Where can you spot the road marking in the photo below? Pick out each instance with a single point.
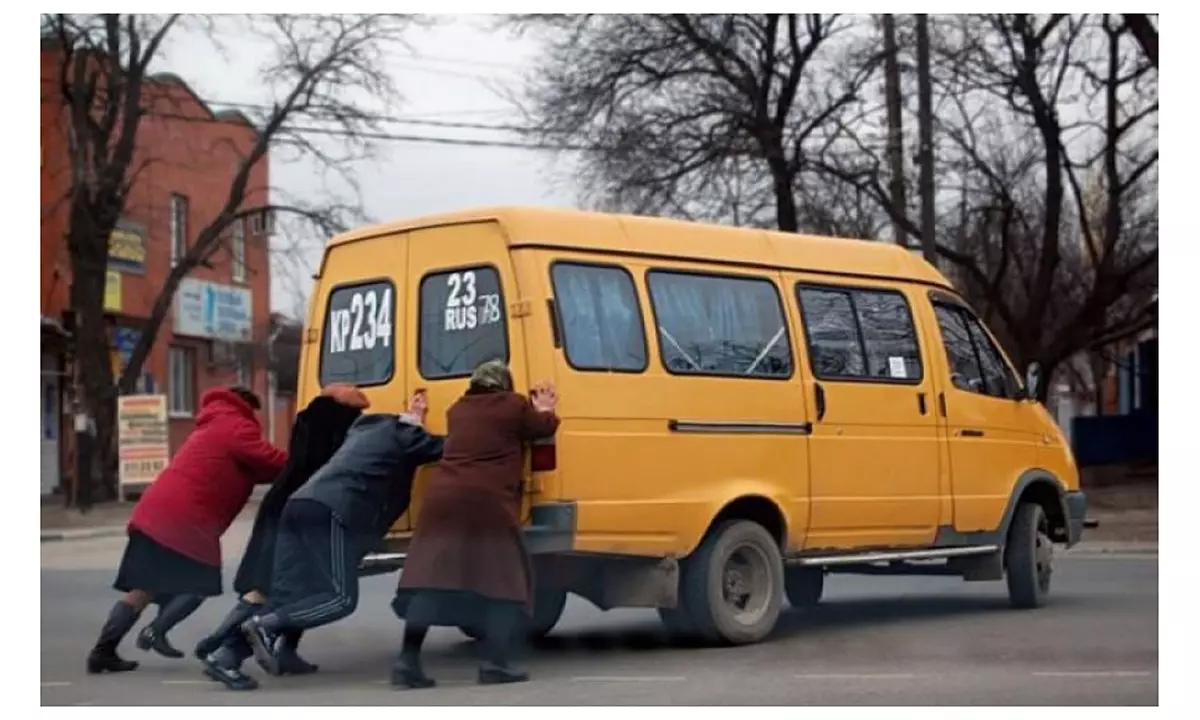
(187, 682)
(1094, 674)
(856, 676)
(56, 683)
(628, 678)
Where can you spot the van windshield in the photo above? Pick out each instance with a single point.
(462, 322)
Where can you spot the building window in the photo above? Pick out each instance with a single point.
(238, 251)
(600, 317)
(720, 325)
(261, 223)
(462, 322)
(181, 388)
(858, 334)
(179, 228)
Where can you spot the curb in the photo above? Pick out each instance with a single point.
(82, 533)
(1113, 549)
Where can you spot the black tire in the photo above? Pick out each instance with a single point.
(803, 586)
(1029, 557)
(732, 585)
(547, 609)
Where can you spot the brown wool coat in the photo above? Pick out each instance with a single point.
(468, 530)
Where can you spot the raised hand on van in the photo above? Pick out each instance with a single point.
(418, 405)
(543, 397)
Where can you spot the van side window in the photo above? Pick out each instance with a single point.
(856, 334)
(976, 364)
(720, 325)
(359, 335)
(601, 319)
(462, 322)
(965, 373)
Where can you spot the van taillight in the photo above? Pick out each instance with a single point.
(543, 457)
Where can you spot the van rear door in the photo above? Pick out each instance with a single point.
(461, 284)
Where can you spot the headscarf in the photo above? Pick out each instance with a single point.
(492, 376)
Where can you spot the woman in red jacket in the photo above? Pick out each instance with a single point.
(173, 556)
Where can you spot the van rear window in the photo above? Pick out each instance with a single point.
(462, 322)
(359, 343)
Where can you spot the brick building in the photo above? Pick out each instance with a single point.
(185, 158)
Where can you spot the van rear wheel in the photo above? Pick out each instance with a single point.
(732, 585)
(1029, 557)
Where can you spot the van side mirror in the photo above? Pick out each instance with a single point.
(1033, 379)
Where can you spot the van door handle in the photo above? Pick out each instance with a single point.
(921, 403)
(970, 432)
(820, 393)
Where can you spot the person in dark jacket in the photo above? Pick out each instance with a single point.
(317, 432)
(173, 555)
(467, 564)
(333, 520)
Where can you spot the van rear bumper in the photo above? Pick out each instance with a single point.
(551, 529)
(1076, 503)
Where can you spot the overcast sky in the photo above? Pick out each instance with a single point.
(449, 75)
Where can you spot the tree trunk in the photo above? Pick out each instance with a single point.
(92, 359)
(925, 132)
(895, 123)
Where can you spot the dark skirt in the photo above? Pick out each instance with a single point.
(151, 567)
(258, 562)
(450, 608)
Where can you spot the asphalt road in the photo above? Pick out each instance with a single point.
(873, 641)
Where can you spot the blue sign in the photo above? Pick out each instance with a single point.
(214, 311)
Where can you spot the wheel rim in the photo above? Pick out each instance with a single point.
(746, 584)
(1043, 556)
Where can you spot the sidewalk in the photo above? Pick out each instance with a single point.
(106, 519)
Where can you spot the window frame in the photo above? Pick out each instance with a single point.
(237, 251)
(561, 327)
(189, 353)
(322, 354)
(960, 306)
(849, 291)
(783, 316)
(503, 316)
(179, 235)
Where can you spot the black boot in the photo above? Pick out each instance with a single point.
(290, 662)
(231, 625)
(224, 665)
(103, 657)
(407, 671)
(498, 645)
(176, 610)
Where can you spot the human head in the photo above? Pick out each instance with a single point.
(346, 394)
(492, 376)
(248, 396)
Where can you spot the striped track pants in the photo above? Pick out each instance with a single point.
(316, 568)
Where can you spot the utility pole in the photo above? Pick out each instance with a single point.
(895, 123)
(271, 382)
(925, 139)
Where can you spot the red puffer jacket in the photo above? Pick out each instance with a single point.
(207, 483)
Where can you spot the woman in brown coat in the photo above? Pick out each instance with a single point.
(467, 564)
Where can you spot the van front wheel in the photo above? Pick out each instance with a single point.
(732, 585)
(1029, 557)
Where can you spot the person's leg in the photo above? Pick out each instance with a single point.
(172, 610)
(332, 564)
(121, 619)
(290, 662)
(500, 632)
(229, 627)
(407, 671)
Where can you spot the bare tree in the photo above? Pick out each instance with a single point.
(673, 108)
(322, 69)
(1017, 148)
